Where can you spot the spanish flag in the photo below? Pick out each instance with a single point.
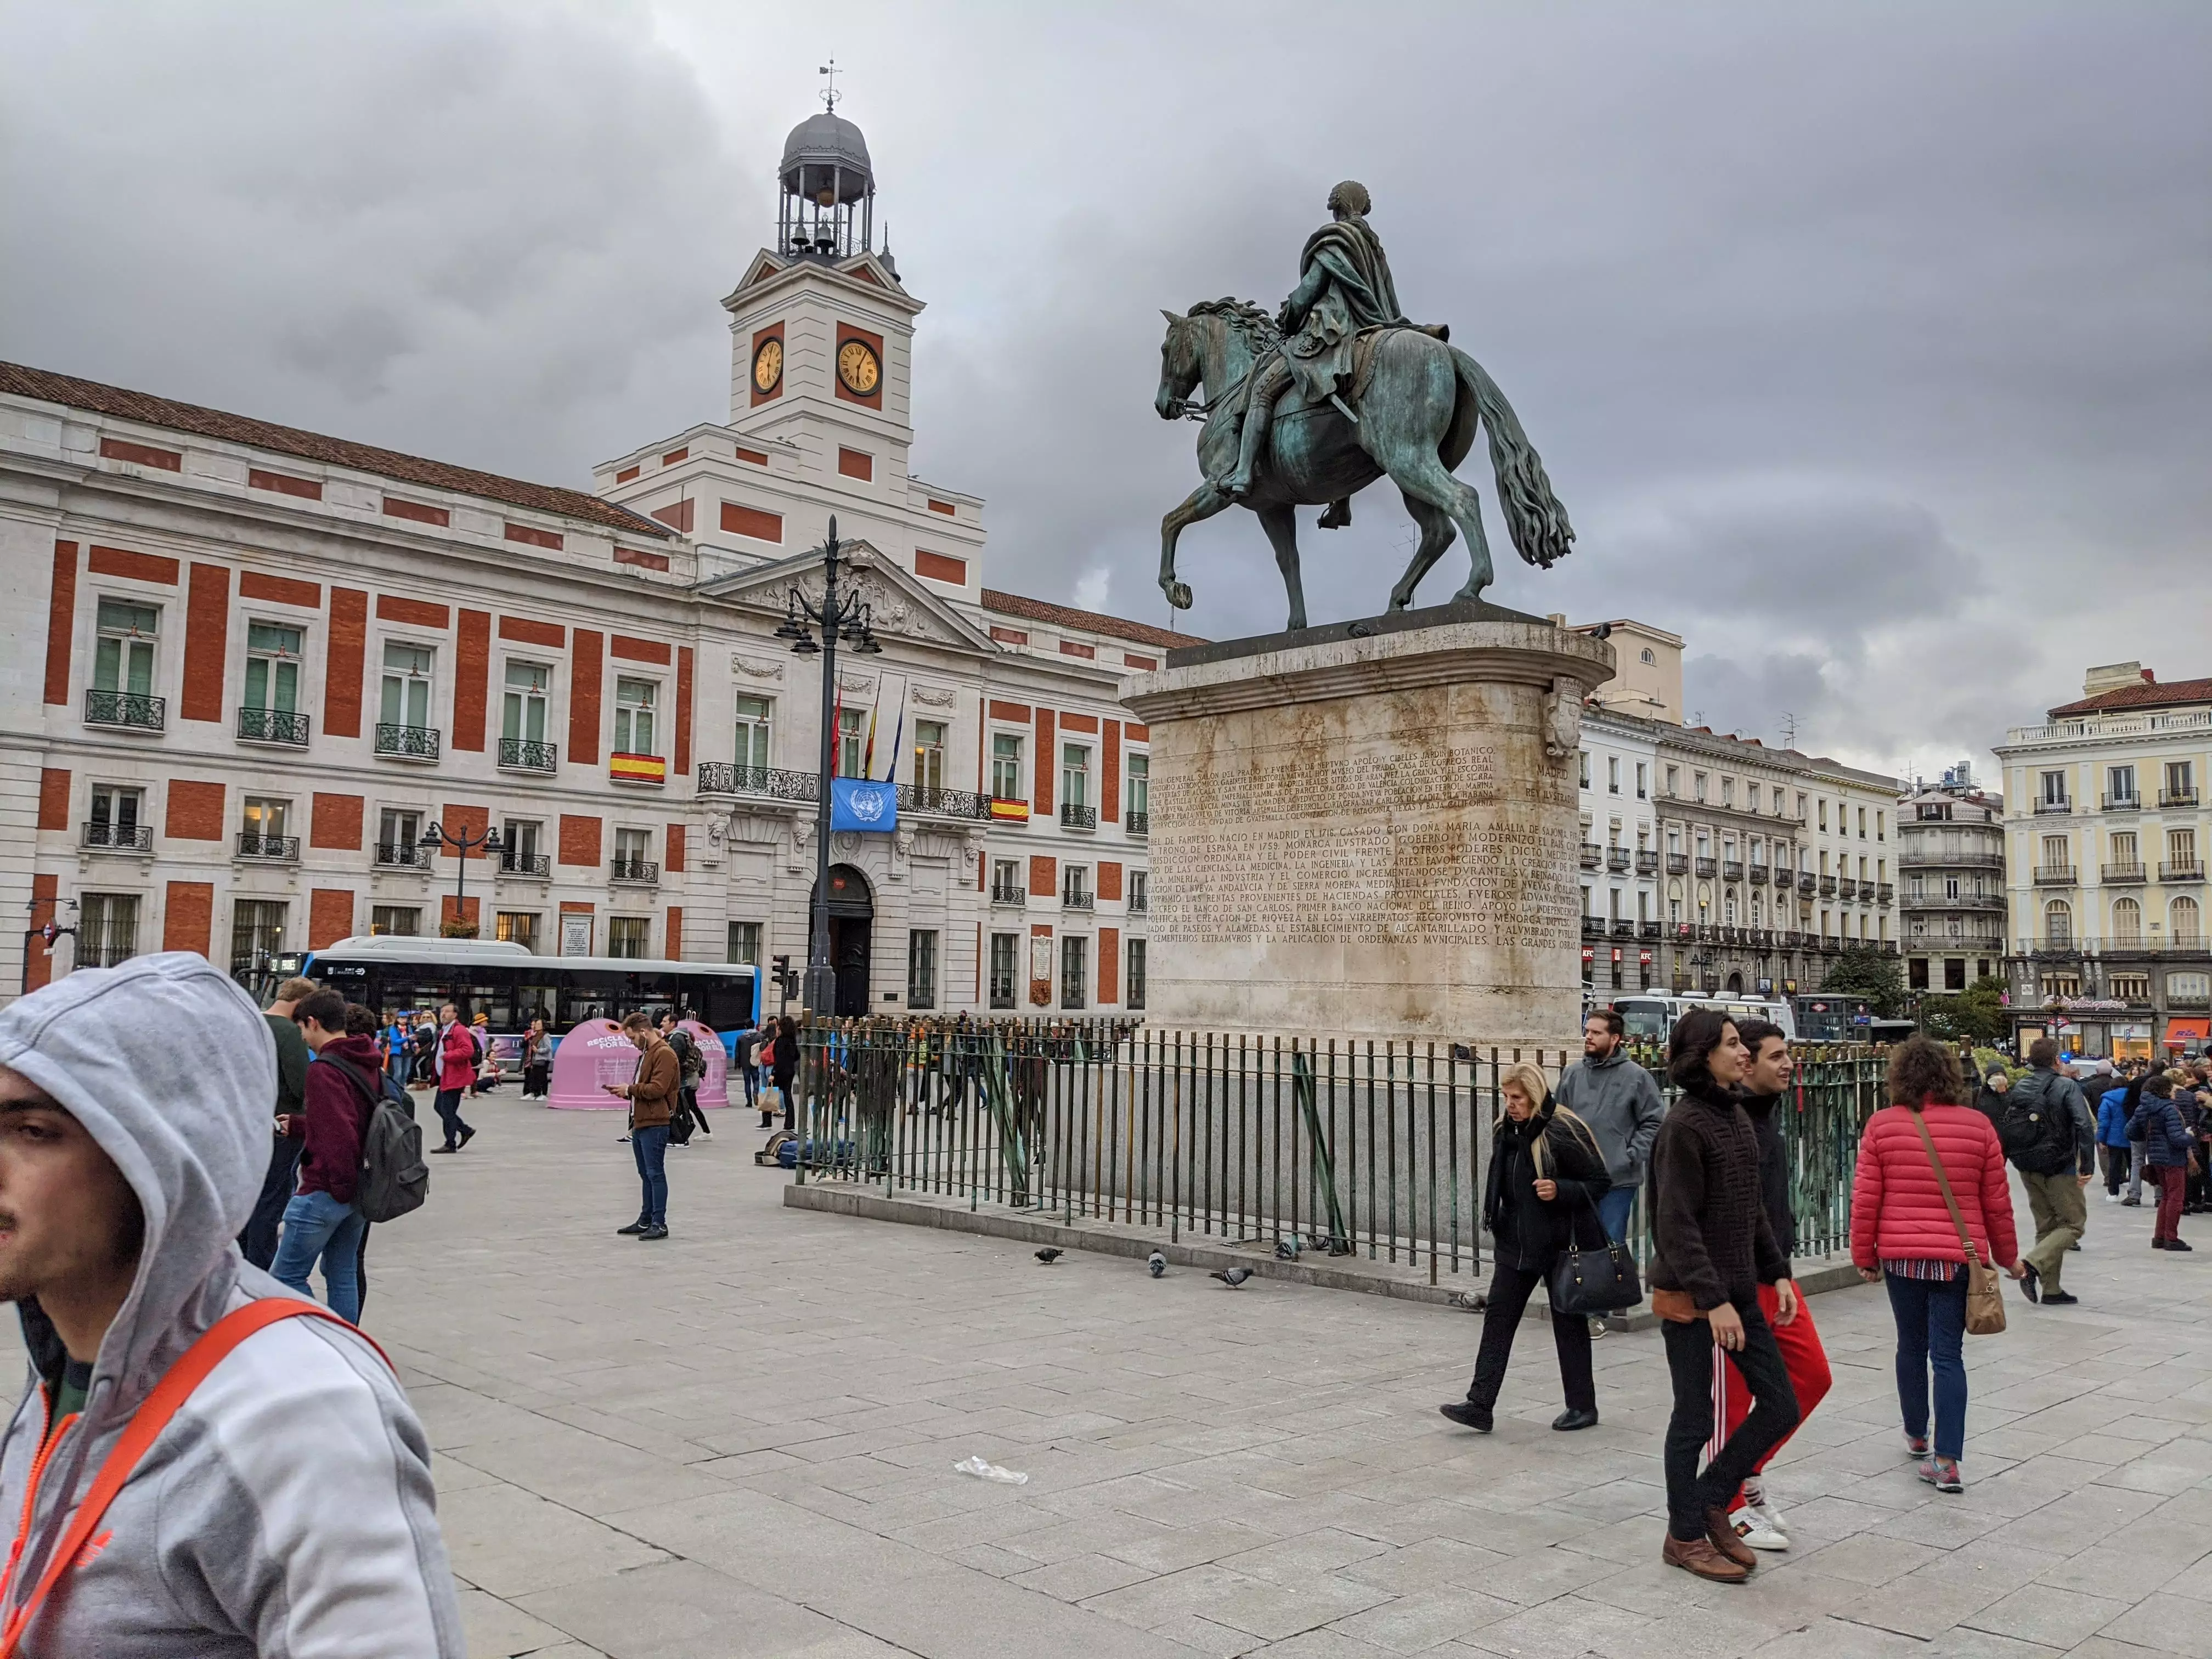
(637, 769)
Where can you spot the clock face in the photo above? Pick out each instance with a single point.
(768, 365)
(858, 368)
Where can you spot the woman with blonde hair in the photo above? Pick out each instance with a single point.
(1546, 1177)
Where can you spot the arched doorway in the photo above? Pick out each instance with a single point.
(1735, 985)
(852, 931)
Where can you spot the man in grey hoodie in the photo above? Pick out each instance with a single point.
(287, 1508)
(1622, 1105)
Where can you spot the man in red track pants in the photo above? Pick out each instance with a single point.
(1766, 1095)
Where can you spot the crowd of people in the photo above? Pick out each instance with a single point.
(1931, 1219)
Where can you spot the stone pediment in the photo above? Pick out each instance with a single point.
(901, 607)
(866, 273)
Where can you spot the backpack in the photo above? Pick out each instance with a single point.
(2037, 1131)
(691, 1066)
(393, 1178)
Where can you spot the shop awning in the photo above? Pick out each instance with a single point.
(2197, 1029)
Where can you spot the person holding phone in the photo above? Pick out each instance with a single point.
(651, 1093)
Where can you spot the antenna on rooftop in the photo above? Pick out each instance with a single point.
(1788, 730)
(829, 94)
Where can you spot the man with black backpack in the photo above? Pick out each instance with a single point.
(2051, 1136)
(322, 1219)
(691, 1066)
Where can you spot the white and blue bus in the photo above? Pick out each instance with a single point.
(391, 973)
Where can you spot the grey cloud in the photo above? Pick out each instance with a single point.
(1888, 318)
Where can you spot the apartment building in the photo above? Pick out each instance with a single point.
(2105, 833)
(1951, 853)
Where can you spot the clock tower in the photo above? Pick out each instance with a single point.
(821, 329)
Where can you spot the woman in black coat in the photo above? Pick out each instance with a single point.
(1546, 1176)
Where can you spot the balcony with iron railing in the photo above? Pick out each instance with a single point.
(1593, 927)
(1805, 881)
(101, 836)
(1009, 893)
(642, 873)
(1617, 860)
(1140, 903)
(770, 782)
(2123, 873)
(1648, 929)
(2054, 875)
(1846, 889)
(402, 856)
(1075, 815)
(413, 743)
(1135, 824)
(1592, 856)
(929, 803)
(2176, 798)
(2119, 803)
(283, 849)
(1078, 901)
(2063, 804)
(130, 711)
(529, 755)
(1623, 928)
(272, 725)
(1647, 862)
(1731, 869)
(2180, 870)
(1944, 858)
(1827, 887)
(1678, 863)
(1755, 873)
(1708, 867)
(1885, 893)
(525, 867)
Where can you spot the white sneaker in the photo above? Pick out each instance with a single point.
(1760, 1527)
(1597, 1327)
(2111, 1197)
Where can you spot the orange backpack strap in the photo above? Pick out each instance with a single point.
(168, 1396)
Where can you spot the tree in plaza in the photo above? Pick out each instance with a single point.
(1863, 971)
(1976, 1014)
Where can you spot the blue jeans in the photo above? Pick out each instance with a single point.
(318, 1225)
(1612, 1209)
(1931, 1329)
(650, 1148)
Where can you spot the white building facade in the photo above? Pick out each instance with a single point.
(249, 666)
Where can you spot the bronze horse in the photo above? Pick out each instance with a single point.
(1415, 422)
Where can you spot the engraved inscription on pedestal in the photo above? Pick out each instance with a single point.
(1383, 845)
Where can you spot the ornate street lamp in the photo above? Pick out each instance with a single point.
(463, 843)
(845, 616)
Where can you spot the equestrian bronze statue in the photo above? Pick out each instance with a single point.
(1336, 390)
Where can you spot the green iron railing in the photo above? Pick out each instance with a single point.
(1343, 1147)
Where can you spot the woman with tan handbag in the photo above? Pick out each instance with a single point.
(1931, 1211)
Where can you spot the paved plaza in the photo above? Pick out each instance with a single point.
(740, 1443)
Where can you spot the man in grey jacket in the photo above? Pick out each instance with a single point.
(1617, 1098)
(287, 1508)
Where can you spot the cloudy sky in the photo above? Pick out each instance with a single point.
(1870, 345)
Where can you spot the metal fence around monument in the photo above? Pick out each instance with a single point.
(1340, 1146)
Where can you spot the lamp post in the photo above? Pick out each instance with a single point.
(463, 843)
(840, 616)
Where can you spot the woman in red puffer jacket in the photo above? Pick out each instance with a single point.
(1902, 1233)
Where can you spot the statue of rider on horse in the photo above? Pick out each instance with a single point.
(1338, 390)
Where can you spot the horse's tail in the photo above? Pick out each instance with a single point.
(1534, 516)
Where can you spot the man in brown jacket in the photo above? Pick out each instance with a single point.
(652, 1094)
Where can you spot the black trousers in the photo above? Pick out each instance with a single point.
(533, 1078)
(258, 1241)
(1509, 1289)
(1690, 1494)
(448, 1104)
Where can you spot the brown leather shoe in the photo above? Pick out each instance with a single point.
(1698, 1556)
(1721, 1530)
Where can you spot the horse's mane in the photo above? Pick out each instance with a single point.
(1255, 324)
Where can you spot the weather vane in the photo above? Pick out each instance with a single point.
(829, 92)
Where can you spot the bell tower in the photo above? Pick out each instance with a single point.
(821, 328)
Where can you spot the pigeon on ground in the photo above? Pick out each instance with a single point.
(1234, 1276)
(1287, 1248)
(1157, 1265)
(1048, 1256)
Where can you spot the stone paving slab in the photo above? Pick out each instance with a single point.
(741, 1442)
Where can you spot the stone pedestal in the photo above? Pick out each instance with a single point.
(1371, 829)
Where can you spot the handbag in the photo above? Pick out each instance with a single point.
(1985, 1314)
(1584, 1282)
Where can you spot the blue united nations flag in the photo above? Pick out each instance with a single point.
(863, 805)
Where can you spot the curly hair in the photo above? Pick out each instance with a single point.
(1923, 1072)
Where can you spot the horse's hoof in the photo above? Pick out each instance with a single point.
(1179, 595)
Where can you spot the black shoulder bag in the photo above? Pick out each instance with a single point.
(1584, 1282)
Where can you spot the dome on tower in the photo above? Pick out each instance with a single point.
(826, 152)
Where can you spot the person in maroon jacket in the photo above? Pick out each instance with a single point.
(1902, 1234)
(321, 1221)
(457, 1068)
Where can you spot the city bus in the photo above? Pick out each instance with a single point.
(1650, 1016)
(390, 972)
